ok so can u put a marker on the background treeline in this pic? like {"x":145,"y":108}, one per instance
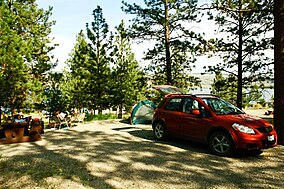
{"x":102,"y":71}
{"x":25,"y":58}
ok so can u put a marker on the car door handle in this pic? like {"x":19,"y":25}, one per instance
{"x":185,"y":117}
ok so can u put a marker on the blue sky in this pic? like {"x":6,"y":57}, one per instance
{"x":71,"y":16}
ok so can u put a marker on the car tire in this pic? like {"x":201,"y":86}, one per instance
{"x":221,"y":144}
{"x":159,"y":131}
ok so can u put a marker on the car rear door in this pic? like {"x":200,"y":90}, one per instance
{"x":171,"y":113}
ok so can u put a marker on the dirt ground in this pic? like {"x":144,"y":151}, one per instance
{"x":111,"y":154}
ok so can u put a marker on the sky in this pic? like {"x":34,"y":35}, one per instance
{"x":71,"y":16}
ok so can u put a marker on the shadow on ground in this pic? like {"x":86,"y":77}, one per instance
{"x":127,"y":156}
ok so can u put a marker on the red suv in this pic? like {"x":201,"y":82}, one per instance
{"x":211,"y":120}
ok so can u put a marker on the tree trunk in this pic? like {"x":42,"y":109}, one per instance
{"x":279,"y":69}
{"x":240,"y":62}
{"x":0,"y":115}
{"x":100,"y":111}
{"x":167,"y":45}
{"x":120,"y":111}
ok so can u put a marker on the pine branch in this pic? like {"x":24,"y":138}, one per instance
{"x":209,"y":7}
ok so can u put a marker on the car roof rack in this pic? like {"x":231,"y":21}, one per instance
{"x":193,"y":95}
{"x":176,"y":94}
{"x":196,"y":95}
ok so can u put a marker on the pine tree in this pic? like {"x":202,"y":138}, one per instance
{"x":99,"y":63}
{"x":24,"y":48}
{"x":225,"y":87}
{"x":53,"y":97}
{"x":167,"y":23}
{"x":127,"y":75}
{"x":76,"y":82}
{"x":246,"y":28}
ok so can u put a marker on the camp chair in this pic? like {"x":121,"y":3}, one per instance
{"x":78,"y":117}
{"x":61,"y":122}
{"x":57,"y":122}
{"x":53,"y":122}
{"x":82,"y":117}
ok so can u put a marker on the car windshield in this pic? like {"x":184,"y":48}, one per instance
{"x":221,"y":107}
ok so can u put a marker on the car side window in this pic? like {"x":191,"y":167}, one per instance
{"x":174,"y":104}
{"x":204,"y":112}
{"x":189,"y":105}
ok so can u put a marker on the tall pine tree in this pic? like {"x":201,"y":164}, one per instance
{"x":99,"y":63}
{"x":166,"y":23}
{"x":76,"y":82}
{"x":246,"y":27}
{"x":127,"y":75}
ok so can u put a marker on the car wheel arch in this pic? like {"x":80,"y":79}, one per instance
{"x":221,"y":143}
{"x":159,"y":129}
{"x":219,"y":129}
{"x":158,"y":121}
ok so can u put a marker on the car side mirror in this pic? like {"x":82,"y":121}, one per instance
{"x":195,"y":112}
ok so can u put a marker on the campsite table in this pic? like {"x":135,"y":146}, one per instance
{"x":15,"y":130}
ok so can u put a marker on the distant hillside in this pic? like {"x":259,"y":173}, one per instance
{"x":206,"y":79}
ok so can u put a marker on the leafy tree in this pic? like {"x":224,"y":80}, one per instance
{"x":24,"y":48}
{"x":99,"y":63}
{"x":167,"y":23}
{"x":127,"y":75}
{"x":246,"y":27}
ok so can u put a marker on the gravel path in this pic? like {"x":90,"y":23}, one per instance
{"x":111,"y":154}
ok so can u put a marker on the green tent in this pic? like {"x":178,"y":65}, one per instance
{"x":143,"y":112}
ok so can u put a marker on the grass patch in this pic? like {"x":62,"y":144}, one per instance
{"x":100,"y":117}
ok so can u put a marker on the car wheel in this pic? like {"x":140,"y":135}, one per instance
{"x":159,"y":131}
{"x":221,"y":144}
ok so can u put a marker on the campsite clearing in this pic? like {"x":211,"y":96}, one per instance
{"x":112,"y":154}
